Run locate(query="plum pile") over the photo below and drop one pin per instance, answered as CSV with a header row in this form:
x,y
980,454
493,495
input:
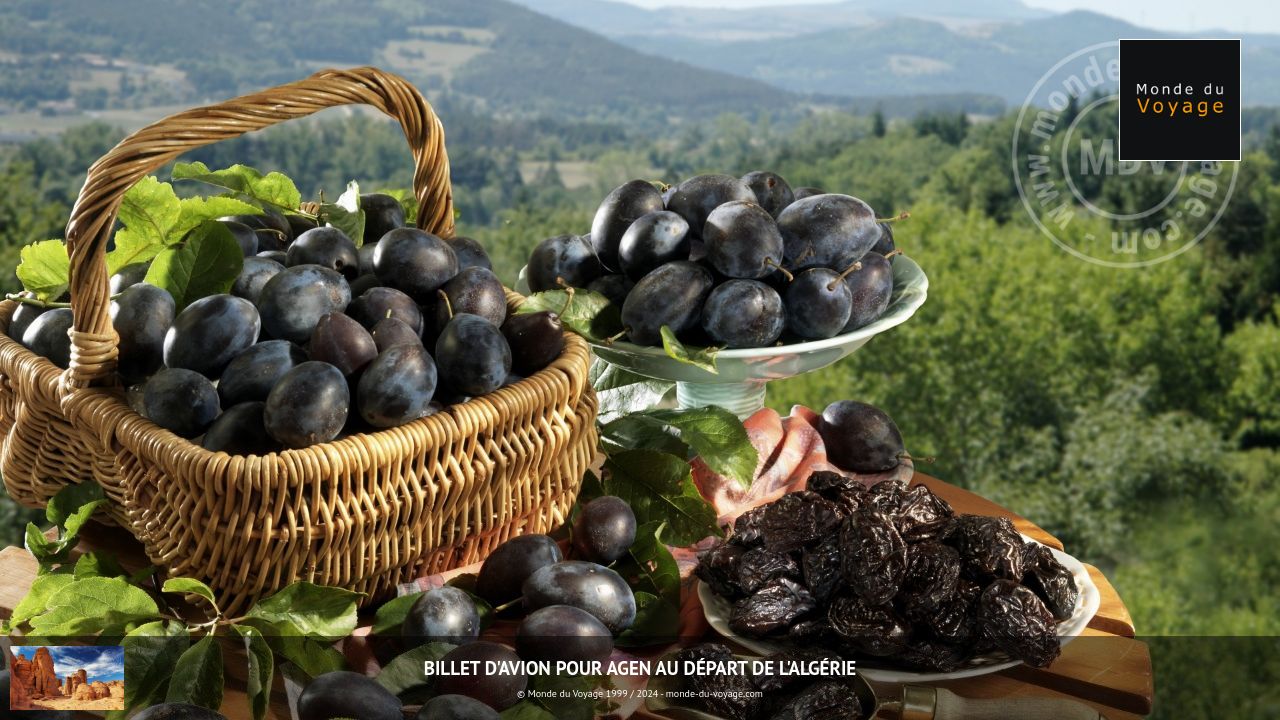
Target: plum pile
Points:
x,y
889,573
732,262
317,338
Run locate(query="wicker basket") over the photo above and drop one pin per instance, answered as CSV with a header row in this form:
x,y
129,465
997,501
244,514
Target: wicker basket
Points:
x,y
365,512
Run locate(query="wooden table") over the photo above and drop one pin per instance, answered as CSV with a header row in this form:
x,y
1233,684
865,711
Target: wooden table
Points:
x,y
1106,668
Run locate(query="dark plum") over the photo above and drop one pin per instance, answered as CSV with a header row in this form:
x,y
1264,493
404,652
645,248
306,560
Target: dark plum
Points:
x,y
126,276
456,707
365,254
299,224
586,586
209,332
871,286
272,228
279,256
293,301
181,401
308,405
884,245
444,614
253,372
695,198
363,284
805,191
254,276
397,386
620,208
390,332
744,314
414,262
615,287
472,356
818,304
244,236
327,247
498,690
563,632
470,253
742,240
652,240
378,303
536,339
771,191
567,258
831,231
860,437
672,295
167,711
344,694
475,291
382,214
239,430
343,343
23,316
503,573
47,336
141,316
604,530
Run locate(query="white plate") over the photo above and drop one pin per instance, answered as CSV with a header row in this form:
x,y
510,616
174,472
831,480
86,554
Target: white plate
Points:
x,y
717,610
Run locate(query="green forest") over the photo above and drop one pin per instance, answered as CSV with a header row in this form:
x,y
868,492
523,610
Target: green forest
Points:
x,y
1132,413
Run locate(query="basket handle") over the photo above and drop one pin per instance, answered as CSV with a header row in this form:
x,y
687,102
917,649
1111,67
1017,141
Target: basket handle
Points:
x,y
93,340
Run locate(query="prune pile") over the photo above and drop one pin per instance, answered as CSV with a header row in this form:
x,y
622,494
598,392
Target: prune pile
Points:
x,y
780,696
734,262
317,338
889,573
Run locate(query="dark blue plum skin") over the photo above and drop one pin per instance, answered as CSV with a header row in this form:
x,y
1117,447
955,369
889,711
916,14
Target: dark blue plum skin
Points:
x,y
378,303
885,244
771,191
586,586
536,340
343,343
472,356
47,336
604,530
805,191
397,386
327,247
273,229
476,291
831,231
279,256
299,224
503,573
470,253
22,317
141,316
456,707
744,314
171,711
499,690
239,430
742,241
343,694
671,295
444,614
254,276
244,235
695,198
308,405
818,304
209,332
362,285
126,276
181,401
621,207
414,262
390,332
382,214
860,437
871,287
567,258
365,253
652,240
615,287
251,374
292,302
563,632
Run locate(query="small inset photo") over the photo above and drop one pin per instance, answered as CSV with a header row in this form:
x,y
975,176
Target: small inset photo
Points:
x,y
88,678
1180,100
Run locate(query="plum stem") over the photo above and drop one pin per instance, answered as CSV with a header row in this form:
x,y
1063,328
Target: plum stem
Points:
x,y
900,216
568,295
855,267
507,605
927,459
614,338
37,302
891,253
785,273
448,306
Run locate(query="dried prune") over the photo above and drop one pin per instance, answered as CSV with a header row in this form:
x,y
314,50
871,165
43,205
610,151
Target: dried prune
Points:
x,y
845,492
953,621
874,630
933,570
718,567
711,652
782,678
989,546
873,556
1013,618
885,496
816,630
798,519
1051,582
931,655
823,700
922,515
774,608
746,529
760,565
821,567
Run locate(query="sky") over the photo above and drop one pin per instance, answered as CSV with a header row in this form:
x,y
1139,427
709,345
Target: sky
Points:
x,y
101,664
1259,16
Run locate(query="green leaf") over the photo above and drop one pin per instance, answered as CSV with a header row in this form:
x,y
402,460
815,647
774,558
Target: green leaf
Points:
x,y
197,676
45,269
633,431
186,585
621,391
704,358
657,622
93,605
44,549
655,562
261,669
244,182
148,212
150,653
315,611
526,710
195,210
71,500
311,657
405,671
96,564
346,214
407,200
37,598
587,313
659,487
388,618
206,262
714,434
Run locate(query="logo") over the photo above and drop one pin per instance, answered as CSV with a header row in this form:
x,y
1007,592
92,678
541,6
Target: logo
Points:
x,y
1082,196
86,678
1179,100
